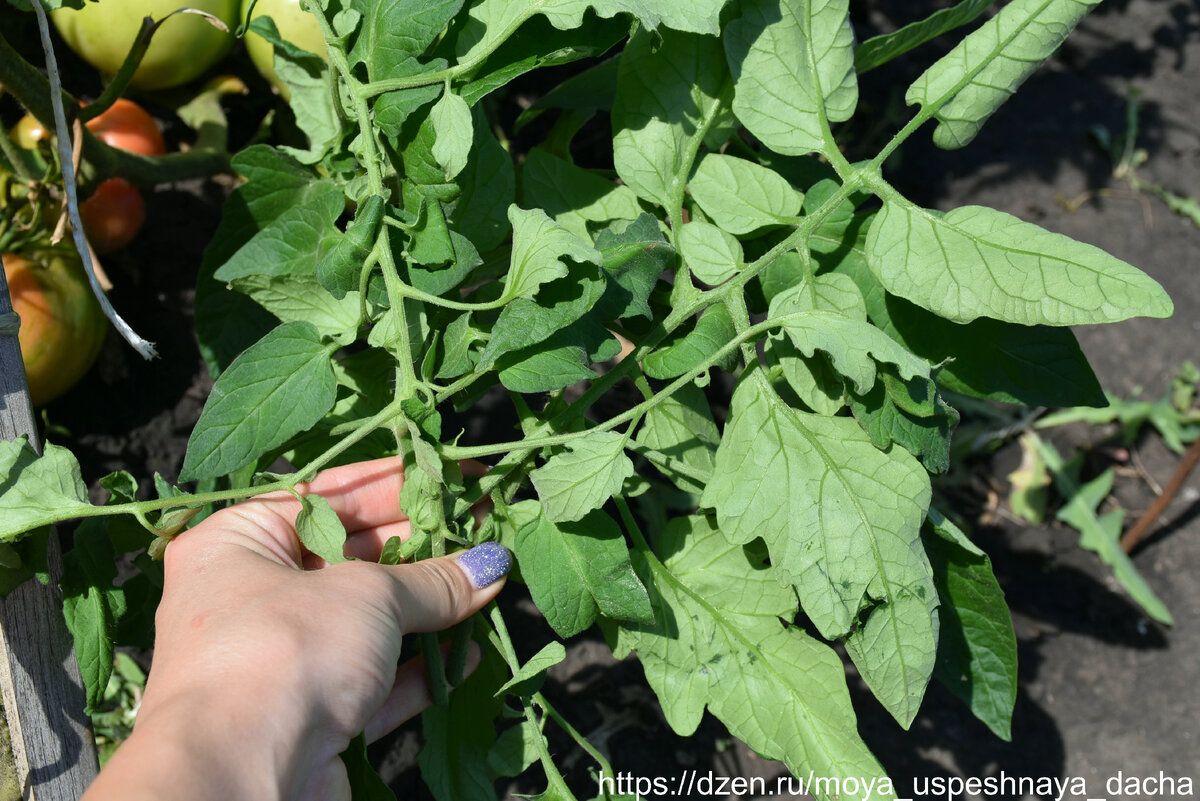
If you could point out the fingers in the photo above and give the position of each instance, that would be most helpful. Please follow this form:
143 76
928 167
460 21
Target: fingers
434 594
410 694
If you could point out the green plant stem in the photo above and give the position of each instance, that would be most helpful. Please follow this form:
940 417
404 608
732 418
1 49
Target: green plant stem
679 181
580 739
435 670
460 646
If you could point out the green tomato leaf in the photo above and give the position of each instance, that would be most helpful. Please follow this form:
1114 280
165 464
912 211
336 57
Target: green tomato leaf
278 387
524 322
588 472
539 248
717 641
842 522
1031 365
365 783
667 88
292 243
295 298
574 196
977 650
813 378
395 33
528 679
92 606
576 570
910 413
741 196
492 21
793 68
227 322
635 255
487 188
713 255
458 737
320 530
979 262
310 84
681 428
340 270
879 50
451 118
966 86
713 331
515 750
37 490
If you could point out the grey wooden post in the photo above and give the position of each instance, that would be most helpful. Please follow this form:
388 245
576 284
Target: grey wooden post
43 694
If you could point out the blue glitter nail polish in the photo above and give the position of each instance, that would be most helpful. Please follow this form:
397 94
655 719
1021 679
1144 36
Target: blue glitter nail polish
485 563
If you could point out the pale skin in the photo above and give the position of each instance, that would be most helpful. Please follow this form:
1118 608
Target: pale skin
268 662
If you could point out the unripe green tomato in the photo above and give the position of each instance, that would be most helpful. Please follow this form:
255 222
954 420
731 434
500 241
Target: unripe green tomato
294 24
182 48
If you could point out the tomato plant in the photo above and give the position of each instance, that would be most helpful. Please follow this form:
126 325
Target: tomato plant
752 504
182 49
293 23
62 327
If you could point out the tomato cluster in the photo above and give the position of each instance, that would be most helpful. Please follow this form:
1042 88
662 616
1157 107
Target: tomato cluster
115 212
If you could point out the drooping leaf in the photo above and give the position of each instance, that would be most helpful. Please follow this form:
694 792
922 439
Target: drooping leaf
878 50
977 651
539 247
793 68
742 196
968 84
291 242
979 262
665 92
37 490
458 736
309 83
488 186
92 606
295 298
561 360
910 413
713 331
1099 533
582 477
515 750
574 196
227 322
341 268
278 387
558 303
320 530
528 679
635 255
842 522
451 119
578 570
682 429
712 254
717 642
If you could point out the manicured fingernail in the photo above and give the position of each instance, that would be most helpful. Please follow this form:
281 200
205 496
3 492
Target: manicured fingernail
485 564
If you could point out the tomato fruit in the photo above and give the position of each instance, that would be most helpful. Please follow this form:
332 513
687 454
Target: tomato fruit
28 132
182 48
128 126
293 23
62 326
112 215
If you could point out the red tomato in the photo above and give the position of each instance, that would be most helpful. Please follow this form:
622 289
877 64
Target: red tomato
127 126
113 215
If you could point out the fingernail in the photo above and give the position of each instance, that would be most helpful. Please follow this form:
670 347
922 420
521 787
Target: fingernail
485 564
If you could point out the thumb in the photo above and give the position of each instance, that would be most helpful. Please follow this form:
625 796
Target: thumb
434 594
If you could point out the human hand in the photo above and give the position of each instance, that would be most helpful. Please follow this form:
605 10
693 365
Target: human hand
267 661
